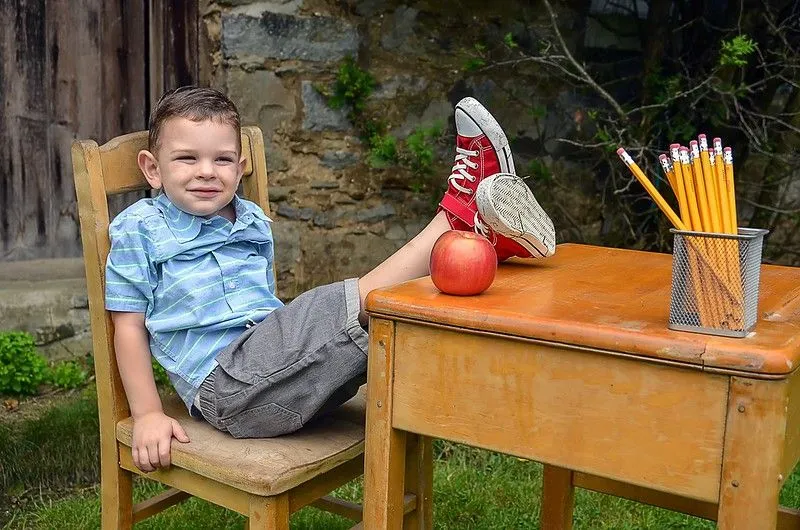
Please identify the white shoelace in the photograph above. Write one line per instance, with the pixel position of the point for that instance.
(483, 229)
(460, 169)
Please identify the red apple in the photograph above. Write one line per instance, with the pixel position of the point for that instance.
(463, 263)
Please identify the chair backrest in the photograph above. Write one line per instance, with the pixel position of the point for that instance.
(109, 169)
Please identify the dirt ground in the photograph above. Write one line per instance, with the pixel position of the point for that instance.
(15, 409)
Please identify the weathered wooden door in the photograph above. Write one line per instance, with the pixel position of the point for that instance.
(69, 69)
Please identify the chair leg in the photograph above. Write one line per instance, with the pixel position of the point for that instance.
(558, 498)
(269, 513)
(419, 481)
(116, 496)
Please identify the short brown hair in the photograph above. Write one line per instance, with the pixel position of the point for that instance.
(196, 104)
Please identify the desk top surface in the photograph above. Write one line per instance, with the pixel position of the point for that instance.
(609, 299)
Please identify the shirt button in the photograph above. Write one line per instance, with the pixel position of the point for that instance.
(231, 285)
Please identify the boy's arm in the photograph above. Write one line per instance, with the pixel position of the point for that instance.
(152, 429)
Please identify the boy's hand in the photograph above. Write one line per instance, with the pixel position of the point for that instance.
(152, 440)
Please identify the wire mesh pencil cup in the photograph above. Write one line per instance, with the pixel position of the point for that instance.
(715, 280)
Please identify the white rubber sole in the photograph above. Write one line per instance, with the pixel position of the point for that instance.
(508, 206)
(484, 120)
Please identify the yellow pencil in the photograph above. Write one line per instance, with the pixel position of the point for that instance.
(677, 186)
(736, 273)
(700, 186)
(670, 174)
(719, 168)
(717, 190)
(727, 156)
(651, 190)
(691, 195)
(711, 187)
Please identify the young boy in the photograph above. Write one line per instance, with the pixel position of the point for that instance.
(190, 278)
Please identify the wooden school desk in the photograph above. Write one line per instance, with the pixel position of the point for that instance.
(568, 361)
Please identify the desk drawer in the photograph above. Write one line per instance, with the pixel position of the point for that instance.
(652, 425)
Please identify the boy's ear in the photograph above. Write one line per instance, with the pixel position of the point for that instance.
(149, 167)
(242, 163)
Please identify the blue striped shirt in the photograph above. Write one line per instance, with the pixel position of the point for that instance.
(199, 281)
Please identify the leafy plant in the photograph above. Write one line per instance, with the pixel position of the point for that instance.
(539, 112)
(734, 52)
(539, 171)
(383, 150)
(509, 41)
(474, 63)
(22, 368)
(420, 148)
(68, 375)
(353, 87)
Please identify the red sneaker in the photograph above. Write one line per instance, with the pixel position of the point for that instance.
(511, 217)
(481, 150)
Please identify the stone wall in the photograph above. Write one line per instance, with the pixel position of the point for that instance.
(335, 215)
(47, 298)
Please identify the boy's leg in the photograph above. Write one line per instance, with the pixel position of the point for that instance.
(411, 261)
(482, 151)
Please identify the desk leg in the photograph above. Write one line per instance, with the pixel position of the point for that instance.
(419, 481)
(385, 447)
(558, 498)
(751, 460)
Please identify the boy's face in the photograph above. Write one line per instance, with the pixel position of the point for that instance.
(197, 164)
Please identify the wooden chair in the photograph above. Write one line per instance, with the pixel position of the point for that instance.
(266, 480)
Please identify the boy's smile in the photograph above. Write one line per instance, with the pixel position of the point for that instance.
(198, 165)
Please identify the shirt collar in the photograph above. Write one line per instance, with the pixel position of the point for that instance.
(186, 227)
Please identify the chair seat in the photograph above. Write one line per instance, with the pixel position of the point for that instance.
(265, 466)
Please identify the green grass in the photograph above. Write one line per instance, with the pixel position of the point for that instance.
(51, 462)
(58, 450)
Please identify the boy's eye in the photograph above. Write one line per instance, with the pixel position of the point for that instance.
(225, 159)
(185, 158)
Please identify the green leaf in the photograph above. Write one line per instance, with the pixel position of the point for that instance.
(735, 52)
(22, 368)
(508, 39)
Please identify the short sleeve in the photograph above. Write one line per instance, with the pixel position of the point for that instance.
(266, 246)
(268, 251)
(130, 274)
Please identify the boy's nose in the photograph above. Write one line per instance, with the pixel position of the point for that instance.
(205, 170)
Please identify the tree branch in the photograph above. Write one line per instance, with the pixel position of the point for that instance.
(584, 74)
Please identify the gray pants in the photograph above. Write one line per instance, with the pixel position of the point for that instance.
(303, 360)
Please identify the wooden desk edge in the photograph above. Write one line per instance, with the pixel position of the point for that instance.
(373, 314)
